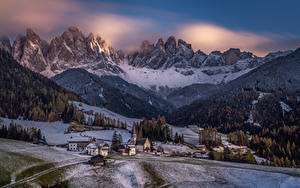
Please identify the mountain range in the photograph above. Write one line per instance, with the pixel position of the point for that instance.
(161, 77)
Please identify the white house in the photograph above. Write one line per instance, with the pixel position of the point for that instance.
(93, 149)
(78, 144)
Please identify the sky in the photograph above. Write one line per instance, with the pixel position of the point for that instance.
(257, 26)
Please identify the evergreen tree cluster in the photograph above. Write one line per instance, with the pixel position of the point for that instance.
(101, 121)
(24, 93)
(239, 138)
(116, 141)
(228, 155)
(17, 132)
(276, 134)
(279, 145)
(210, 137)
(71, 113)
(155, 130)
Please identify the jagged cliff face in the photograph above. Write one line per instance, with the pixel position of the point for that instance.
(180, 54)
(71, 49)
(165, 55)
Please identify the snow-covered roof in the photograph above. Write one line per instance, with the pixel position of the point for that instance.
(79, 139)
(92, 146)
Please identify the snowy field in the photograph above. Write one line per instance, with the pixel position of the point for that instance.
(107, 134)
(190, 136)
(177, 172)
(53, 131)
(143, 171)
(106, 113)
(171, 148)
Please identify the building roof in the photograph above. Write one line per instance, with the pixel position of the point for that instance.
(79, 139)
(97, 159)
(140, 141)
(92, 145)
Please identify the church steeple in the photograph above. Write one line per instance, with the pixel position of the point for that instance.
(133, 135)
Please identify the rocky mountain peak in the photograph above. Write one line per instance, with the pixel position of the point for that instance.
(5, 44)
(160, 44)
(231, 56)
(183, 43)
(146, 47)
(32, 36)
(170, 45)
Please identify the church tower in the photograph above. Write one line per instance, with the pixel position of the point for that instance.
(133, 135)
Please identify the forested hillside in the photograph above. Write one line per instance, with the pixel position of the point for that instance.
(264, 102)
(26, 94)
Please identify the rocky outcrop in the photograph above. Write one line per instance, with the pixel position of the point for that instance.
(5, 44)
(179, 54)
(165, 55)
(30, 51)
(71, 49)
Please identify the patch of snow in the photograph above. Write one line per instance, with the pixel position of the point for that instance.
(262, 95)
(106, 135)
(257, 124)
(189, 135)
(254, 102)
(148, 78)
(285, 107)
(149, 101)
(250, 119)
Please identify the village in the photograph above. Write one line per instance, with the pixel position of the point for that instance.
(210, 141)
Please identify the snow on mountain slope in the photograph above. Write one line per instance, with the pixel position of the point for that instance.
(173, 77)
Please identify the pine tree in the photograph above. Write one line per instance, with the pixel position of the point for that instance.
(287, 162)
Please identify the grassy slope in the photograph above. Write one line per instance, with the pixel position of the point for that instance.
(11, 162)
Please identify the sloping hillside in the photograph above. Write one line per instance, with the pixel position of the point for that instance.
(267, 88)
(95, 91)
(26, 94)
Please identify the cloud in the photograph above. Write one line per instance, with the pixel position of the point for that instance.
(51, 17)
(118, 30)
(209, 37)
(43, 15)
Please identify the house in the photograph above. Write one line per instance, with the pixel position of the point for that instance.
(218, 149)
(97, 160)
(199, 154)
(124, 151)
(104, 150)
(93, 149)
(201, 147)
(78, 144)
(158, 150)
(142, 144)
(132, 150)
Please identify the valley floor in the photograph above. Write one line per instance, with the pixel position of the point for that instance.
(143, 170)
